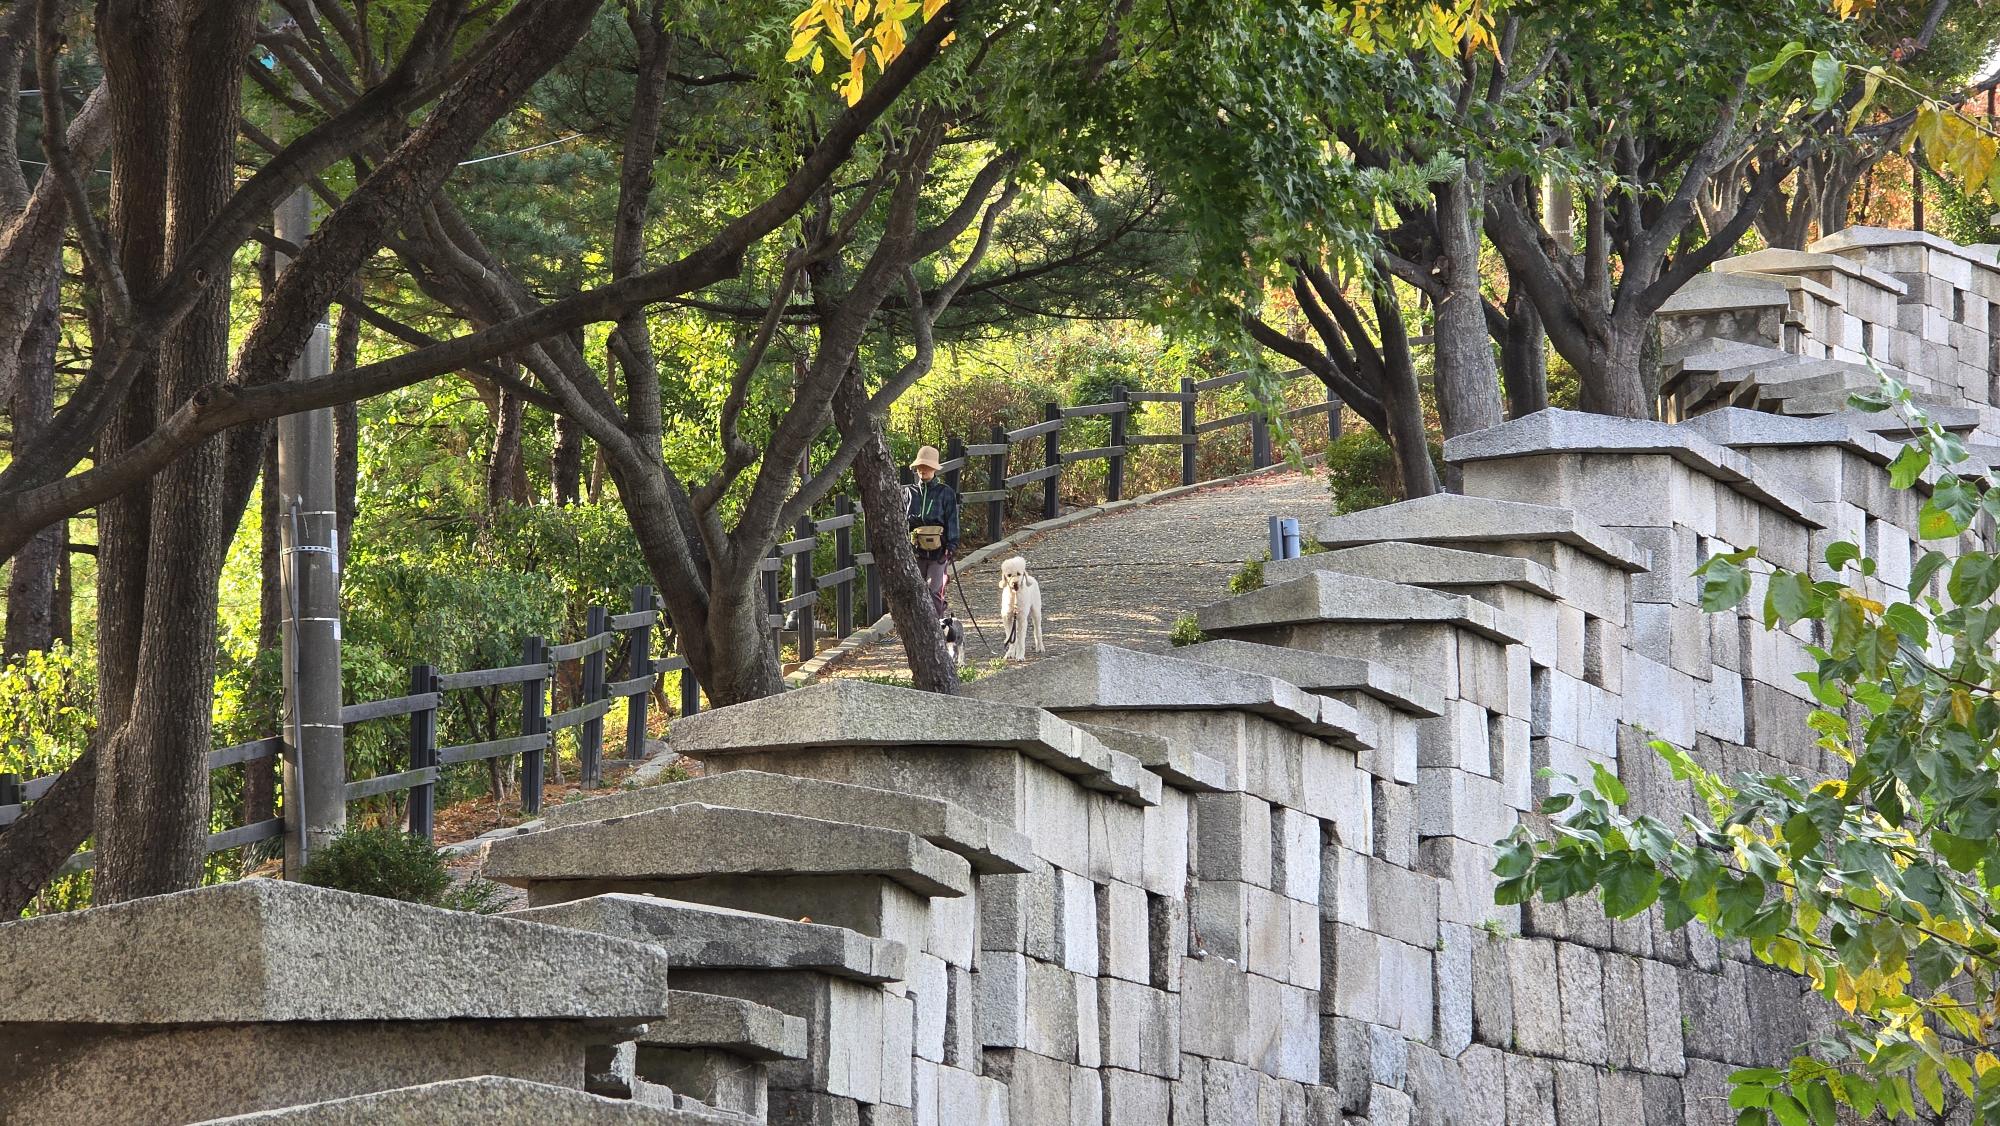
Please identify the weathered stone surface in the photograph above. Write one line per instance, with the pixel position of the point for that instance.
(482, 1100)
(1448, 518)
(1329, 596)
(1422, 564)
(1171, 759)
(729, 1024)
(694, 841)
(698, 935)
(1321, 672)
(1108, 678)
(988, 846)
(267, 950)
(845, 712)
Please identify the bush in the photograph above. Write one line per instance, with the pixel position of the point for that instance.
(395, 865)
(1250, 576)
(1187, 631)
(1361, 467)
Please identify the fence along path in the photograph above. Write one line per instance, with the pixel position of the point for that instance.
(638, 669)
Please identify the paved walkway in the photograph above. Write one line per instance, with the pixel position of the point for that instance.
(1125, 577)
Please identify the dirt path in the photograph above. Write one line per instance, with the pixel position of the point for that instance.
(1125, 577)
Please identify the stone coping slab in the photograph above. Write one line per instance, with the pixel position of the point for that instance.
(728, 1024)
(1321, 672)
(482, 1100)
(987, 845)
(1420, 564)
(847, 712)
(1554, 431)
(1777, 260)
(1739, 428)
(699, 936)
(1329, 596)
(1725, 293)
(1187, 769)
(256, 951)
(1856, 238)
(693, 841)
(1447, 518)
(1108, 678)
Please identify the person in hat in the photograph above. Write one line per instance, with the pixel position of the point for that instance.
(933, 525)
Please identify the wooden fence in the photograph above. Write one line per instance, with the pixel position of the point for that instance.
(637, 669)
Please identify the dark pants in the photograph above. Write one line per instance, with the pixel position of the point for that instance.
(937, 572)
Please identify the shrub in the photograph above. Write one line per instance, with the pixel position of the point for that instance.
(1187, 631)
(1250, 576)
(1361, 467)
(395, 865)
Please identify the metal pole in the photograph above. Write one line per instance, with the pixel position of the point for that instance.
(315, 766)
(1275, 527)
(1290, 529)
(1917, 185)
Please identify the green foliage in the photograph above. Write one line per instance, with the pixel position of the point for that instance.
(395, 865)
(1186, 631)
(1361, 468)
(1250, 576)
(47, 711)
(1878, 885)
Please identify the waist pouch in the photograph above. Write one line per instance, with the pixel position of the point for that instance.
(927, 537)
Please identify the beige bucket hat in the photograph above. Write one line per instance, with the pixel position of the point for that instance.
(926, 455)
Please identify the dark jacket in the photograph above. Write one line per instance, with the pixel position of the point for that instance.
(935, 503)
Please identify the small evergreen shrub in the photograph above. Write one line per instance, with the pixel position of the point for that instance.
(1187, 631)
(1361, 467)
(1250, 576)
(378, 860)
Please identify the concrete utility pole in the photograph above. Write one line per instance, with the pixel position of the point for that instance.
(315, 756)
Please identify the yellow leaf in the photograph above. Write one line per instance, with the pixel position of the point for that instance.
(801, 44)
(819, 60)
(1868, 88)
(933, 7)
(1983, 1063)
(1961, 707)
(837, 28)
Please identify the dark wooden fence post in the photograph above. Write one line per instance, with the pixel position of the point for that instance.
(1334, 407)
(690, 693)
(843, 560)
(1188, 438)
(874, 591)
(1260, 439)
(776, 616)
(954, 450)
(996, 478)
(638, 663)
(10, 789)
(1052, 456)
(590, 738)
(423, 753)
(1114, 475)
(807, 615)
(534, 721)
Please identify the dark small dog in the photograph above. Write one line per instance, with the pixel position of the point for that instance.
(954, 640)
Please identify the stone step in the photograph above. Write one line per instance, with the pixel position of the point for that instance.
(654, 848)
(1110, 678)
(730, 1025)
(261, 994)
(1425, 565)
(1452, 518)
(988, 846)
(847, 713)
(702, 936)
(1329, 596)
(480, 1100)
(1321, 672)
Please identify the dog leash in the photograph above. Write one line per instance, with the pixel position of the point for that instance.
(952, 562)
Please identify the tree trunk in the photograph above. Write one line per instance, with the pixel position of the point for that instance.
(1468, 385)
(346, 434)
(48, 832)
(737, 662)
(31, 590)
(886, 522)
(1408, 437)
(260, 778)
(566, 464)
(503, 458)
(1524, 356)
(1614, 380)
(152, 792)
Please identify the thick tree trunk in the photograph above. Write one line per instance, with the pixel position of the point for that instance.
(566, 464)
(1468, 384)
(1407, 435)
(1524, 356)
(31, 589)
(503, 456)
(48, 832)
(1613, 378)
(152, 793)
(886, 522)
(737, 662)
(346, 434)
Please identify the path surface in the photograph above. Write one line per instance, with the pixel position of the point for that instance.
(1123, 578)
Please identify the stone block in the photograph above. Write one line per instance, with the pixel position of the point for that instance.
(844, 1020)
(651, 850)
(1402, 904)
(1465, 883)
(1449, 518)
(479, 1099)
(1453, 988)
(1233, 838)
(1124, 931)
(1117, 841)
(1326, 596)
(1492, 990)
(1344, 886)
(1457, 740)
(1537, 1007)
(698, 935)
(1295, 847)
(1484, 1073)
(1019, 913)
(1052, 1018)
(1664, 1028)
(1163, 836)
(929, 990)
(1002, 984)
(1132, 1097)
(1303, 967)
(1453, 803)
(1405, 981)
(987, 845)
(1395, 823)
(730, 1025)
(1531, 1092)
(1577, 1096)
(1140, 1028)
(1076, 922)
(1353, 958)
(1625, 998)
(1220, 912)
(1580, 981)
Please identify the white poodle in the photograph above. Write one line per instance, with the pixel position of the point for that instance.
(1020, 608)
